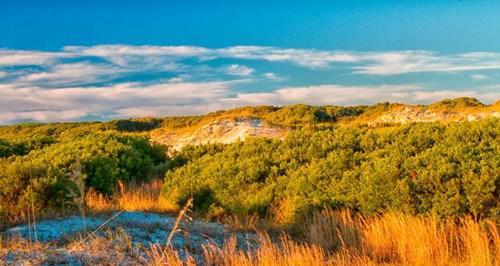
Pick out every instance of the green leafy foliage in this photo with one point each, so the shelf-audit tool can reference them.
(443, 168)
(38, 169)
(447, 169)
(135, 125)
(457, 103)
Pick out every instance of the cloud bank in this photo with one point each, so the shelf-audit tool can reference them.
(134, 99)
(115, 81)
(375, 63)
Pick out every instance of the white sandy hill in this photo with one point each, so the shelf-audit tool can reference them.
(221, 131)
(227, 127)
(411, 114)
(444, 111)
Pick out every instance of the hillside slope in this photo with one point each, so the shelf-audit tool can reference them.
(461, 109)
(275, 122)
(220, 131)
(228, 126)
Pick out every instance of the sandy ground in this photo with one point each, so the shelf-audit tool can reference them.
(222, 131)
(125, 240)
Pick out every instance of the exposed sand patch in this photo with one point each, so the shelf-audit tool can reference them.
(221, 131)
(133, 231)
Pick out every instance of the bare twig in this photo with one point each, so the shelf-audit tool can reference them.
(102, 225)
(181, 214)
(29, 230)
(78, 177)
(33, 205)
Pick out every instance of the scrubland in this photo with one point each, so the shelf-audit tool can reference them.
(346, 186)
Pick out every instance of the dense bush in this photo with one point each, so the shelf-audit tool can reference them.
(23, 146)
(7, 149)
(447, 169)
(135, 125)
(457, 103)
(45, 175)
(443, 168)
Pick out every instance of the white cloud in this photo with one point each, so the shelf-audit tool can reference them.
(349, 95)
(74, 73)
(41, 115)
(479, 77)
(239, 70)
(303, 57)
(139, 99)
(176, 79)
(168, 57)
(144, 50)
(19, 57)
(61, 104)
(273, 76)
(31, 93)
(144, 56)
(394, 63)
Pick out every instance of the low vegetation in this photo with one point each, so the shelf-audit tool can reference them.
(334, 191)
(44, 178)
(443, 169)
(335, 238)
(131, 197)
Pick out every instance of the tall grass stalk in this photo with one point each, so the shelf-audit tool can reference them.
(339, 238)
(133, 197)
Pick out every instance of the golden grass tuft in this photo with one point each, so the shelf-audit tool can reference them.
(243, 222)
(135, 197)
(145, 197)
(97, 202)
(409, 240)
(334, 229)
(481, 242)
(284, 253)
(335, 238)
(168, 256)
(339, 238)
(331, 237)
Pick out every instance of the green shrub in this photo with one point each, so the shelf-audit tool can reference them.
(447, 169)
(45, 173)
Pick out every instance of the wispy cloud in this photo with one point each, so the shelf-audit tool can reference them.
(302, 57)
(111, 81)
(72, 74)
(146, 55)
(77, 102)
(479, 77)
(167, 57)
(19, 58)
(394, 63)
(348, 95)
(239, 70)
(137, 99)
(273, 76)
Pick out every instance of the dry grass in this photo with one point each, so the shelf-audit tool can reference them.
(168, 256)
(286, 252)
(411, 240)
(331, 238)
(408, 240)
(333, 229)
(97, 202)
(338, 238)
(114, 248)
(136, 197)
(243, 222)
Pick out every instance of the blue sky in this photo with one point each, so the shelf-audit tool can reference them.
(98, 60)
